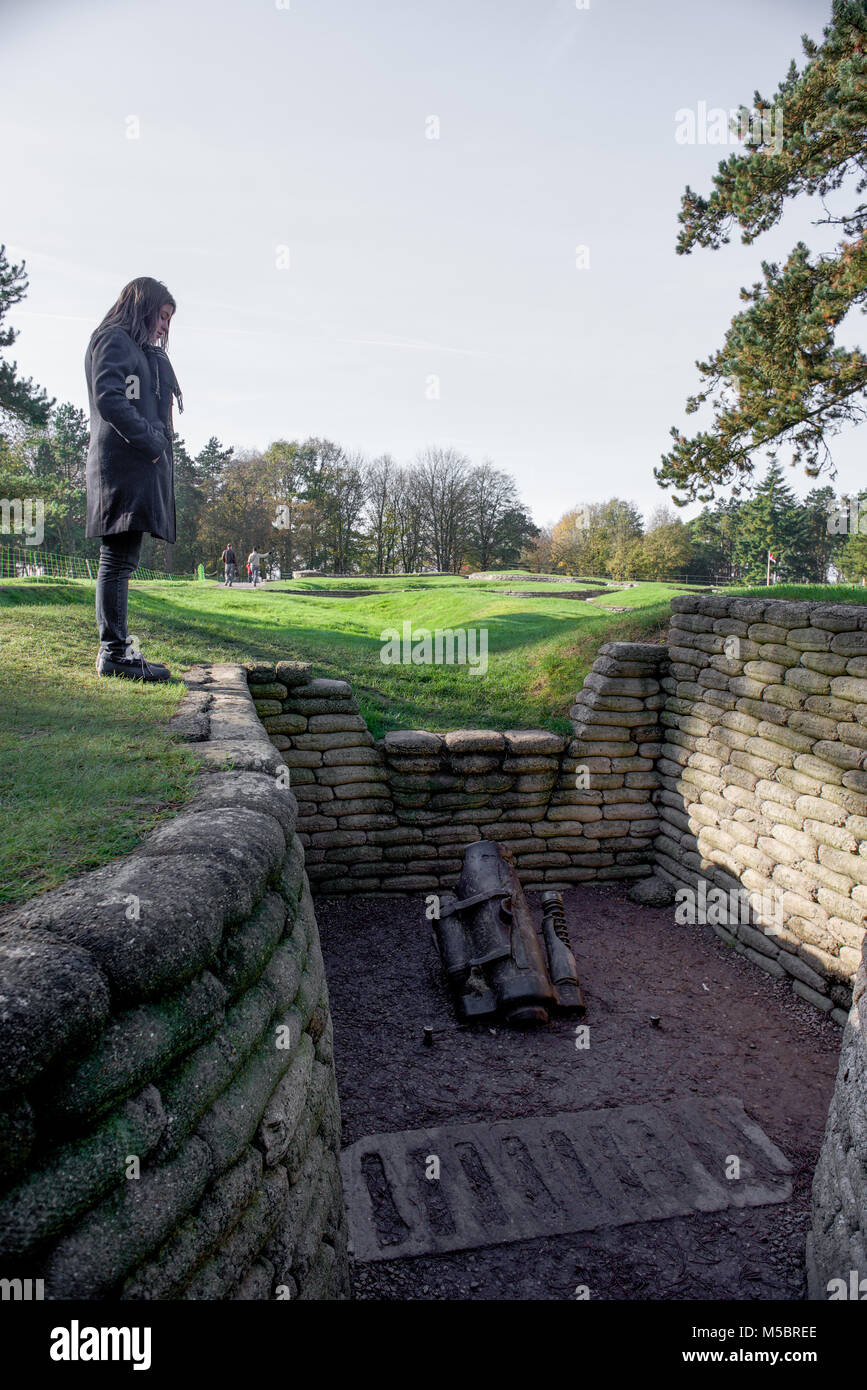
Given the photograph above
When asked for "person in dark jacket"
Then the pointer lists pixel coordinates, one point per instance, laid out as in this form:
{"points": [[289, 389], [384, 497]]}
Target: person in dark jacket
{"points": [[130, 466]]}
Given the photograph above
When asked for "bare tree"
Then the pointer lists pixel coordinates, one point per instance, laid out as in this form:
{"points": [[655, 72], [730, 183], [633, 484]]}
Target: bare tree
{"points": [[410, 508], [443, 476], [380, 484]]}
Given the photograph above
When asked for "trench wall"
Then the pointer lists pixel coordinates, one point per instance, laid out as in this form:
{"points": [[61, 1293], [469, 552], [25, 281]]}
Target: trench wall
{"points": [[837, 1242], [168, 1107], [394, 815], [763, 779], [763, 786]]}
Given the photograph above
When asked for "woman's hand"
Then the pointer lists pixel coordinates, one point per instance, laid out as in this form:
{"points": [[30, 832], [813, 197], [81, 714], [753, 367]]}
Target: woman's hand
{"points": [[161, 427]]}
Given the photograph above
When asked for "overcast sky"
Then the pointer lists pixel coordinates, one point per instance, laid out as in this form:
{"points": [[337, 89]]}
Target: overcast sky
{"points": [[416, 265]]}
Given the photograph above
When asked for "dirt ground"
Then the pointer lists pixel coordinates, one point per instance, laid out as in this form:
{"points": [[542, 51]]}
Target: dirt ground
{"points": [[726, 1028]]}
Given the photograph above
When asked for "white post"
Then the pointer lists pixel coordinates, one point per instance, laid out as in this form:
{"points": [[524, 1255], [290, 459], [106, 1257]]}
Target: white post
{"points": [[768, 580]]}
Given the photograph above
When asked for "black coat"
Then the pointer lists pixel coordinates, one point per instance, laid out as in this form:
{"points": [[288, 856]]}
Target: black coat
{"points": [[130, 390]]}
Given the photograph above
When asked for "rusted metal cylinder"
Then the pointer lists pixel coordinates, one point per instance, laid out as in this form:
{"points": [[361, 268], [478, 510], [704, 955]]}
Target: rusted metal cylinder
{"points": [[452, 941], [502, 936], [561, 962]]}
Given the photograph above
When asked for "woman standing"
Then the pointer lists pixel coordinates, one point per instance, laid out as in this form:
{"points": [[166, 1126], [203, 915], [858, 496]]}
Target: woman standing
{"points": [[130, 467]]}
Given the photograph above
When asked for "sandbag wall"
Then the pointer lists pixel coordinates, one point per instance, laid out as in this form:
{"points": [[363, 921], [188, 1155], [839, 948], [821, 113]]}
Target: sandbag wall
{"points": [[763, 779], [168, 1106], [394, 816], [837, 1242]]}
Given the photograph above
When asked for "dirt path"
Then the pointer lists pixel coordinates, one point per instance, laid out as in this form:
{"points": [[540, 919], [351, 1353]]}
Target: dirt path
{"points": [[725, 1029]]}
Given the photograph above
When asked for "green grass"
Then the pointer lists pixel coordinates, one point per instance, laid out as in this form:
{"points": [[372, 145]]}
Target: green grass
{"points": [[538, 650], [536, 586], [88, 768], [360, 581], [641, 597], [522, 579], [808, 593]]}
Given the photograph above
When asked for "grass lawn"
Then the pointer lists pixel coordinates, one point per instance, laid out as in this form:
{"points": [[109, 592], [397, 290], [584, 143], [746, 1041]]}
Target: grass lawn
{"points": [[87, 766], [518, 580], [641, 597], [808, 593]]}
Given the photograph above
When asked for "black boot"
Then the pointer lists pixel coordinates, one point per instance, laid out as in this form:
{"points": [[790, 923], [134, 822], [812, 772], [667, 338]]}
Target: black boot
{"points": [[131, 668]]}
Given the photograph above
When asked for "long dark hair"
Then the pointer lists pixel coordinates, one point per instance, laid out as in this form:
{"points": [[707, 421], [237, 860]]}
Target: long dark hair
{"points": [[137, 309]]}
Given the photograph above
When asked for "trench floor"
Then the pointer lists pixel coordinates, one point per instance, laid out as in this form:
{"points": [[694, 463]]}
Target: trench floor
{"points": [[736, 1066]]}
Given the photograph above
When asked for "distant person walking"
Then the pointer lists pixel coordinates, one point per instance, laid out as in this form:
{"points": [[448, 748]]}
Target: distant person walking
{"points": [[253, 565], [130, 466], [228, 559]]}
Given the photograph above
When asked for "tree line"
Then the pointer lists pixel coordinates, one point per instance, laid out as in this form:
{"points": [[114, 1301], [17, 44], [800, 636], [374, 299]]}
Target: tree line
{"points": [[309, 504], [823, 536]]}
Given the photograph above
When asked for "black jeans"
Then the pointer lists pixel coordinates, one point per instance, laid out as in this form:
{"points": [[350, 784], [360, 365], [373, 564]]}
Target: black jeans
{"points": [[118, 557]]}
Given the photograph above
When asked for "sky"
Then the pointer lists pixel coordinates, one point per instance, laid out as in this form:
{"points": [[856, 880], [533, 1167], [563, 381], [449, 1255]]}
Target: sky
{"points": [[369, 213]]}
